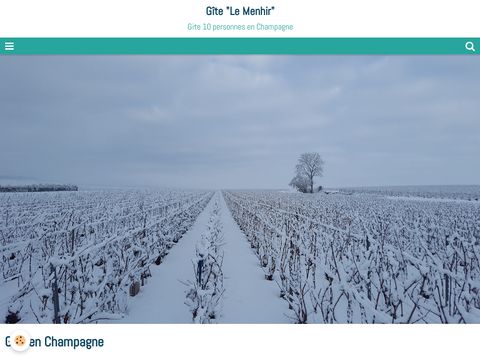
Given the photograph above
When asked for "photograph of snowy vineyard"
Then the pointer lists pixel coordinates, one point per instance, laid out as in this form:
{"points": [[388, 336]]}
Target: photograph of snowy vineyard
{"points": [[86, 252], [239, 189], [334, 258], [366, 259]]}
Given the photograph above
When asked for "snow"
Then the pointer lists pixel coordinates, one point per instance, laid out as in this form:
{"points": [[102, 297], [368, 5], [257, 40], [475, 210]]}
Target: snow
{"points": [[419, 198], [464, 192], [94, 240], [248, 297], [7, 291], [331, 191], [366, 259], [162, 299], [334, 259]]}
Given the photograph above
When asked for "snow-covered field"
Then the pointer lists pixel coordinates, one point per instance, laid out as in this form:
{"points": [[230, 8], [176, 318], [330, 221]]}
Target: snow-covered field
{"points": [[96, 248], [366, 258], [446, 192], [128, 256]]}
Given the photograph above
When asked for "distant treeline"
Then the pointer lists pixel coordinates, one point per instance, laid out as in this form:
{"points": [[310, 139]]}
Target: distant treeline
{"points": [[37, 188]]}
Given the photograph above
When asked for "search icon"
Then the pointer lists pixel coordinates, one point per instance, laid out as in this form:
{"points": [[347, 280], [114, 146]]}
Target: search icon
{"points": [[470, 46]]}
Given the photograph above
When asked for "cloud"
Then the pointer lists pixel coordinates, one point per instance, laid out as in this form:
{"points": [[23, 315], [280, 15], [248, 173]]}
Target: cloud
{"points": [[239, 121]]}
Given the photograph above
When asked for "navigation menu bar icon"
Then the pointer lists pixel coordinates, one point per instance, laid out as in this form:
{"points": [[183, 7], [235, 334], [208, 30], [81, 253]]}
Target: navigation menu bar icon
{"points": [[9, 46]]}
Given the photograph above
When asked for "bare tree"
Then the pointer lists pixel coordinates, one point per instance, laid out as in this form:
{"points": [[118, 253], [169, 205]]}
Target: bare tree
{"points": [[309, 165], [300, 183]]}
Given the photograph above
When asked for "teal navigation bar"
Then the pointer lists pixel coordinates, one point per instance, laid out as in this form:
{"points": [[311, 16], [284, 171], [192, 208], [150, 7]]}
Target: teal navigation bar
{"points": [[243, 46]]}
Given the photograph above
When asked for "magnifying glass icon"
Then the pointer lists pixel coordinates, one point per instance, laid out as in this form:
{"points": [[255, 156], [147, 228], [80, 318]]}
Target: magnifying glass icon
{"points": [[470, 46]]}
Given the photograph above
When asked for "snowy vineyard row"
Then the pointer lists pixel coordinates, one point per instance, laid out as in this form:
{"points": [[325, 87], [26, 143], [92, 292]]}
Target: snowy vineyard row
{"points": [[366, 259], [86, 252], [26, 216], [204, 294]]}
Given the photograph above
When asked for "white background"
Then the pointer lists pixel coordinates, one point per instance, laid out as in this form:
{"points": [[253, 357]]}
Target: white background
{"points": [[334, 18], [263, 342], [157, 18]]}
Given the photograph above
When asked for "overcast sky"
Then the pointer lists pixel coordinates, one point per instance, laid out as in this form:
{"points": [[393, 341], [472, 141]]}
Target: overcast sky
{"points": [[239, 121]]}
